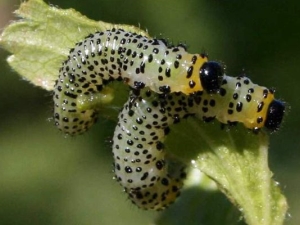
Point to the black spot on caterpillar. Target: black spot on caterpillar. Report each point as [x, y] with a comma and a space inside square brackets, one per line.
[138, 148]
[136, 60]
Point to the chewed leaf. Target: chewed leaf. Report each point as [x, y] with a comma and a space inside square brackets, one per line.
[41, 41]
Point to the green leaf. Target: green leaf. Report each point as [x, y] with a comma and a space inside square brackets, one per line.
[42, 40]
[236, 159]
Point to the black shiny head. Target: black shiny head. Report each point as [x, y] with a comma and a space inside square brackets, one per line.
[275, 114]
[211, 76]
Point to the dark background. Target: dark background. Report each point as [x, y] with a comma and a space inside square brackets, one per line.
[46, 178]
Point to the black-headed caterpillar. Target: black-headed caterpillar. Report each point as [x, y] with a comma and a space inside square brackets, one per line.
[138, 148]
[140, 165]
[136, 60]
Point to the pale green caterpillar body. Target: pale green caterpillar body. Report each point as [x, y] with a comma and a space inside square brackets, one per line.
[139, 153]
[167, 84]
[144, 122]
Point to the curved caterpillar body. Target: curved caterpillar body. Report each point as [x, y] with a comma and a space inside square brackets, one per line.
[177, 84]
[136, 60]
[138, 149]
[139, 154]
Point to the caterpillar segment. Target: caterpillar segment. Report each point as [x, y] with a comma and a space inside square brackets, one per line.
[139, 156]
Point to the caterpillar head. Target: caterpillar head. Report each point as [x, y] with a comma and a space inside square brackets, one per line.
[274, 115]
[211, 75]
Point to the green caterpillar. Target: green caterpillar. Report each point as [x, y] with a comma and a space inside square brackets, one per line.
[145, 120]
[134, 59]
[168, 84]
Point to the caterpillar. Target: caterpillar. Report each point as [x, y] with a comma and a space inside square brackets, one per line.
[145, 120]
[168, 84]
[134, 59]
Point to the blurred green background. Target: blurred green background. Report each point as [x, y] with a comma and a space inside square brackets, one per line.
[46, 178]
